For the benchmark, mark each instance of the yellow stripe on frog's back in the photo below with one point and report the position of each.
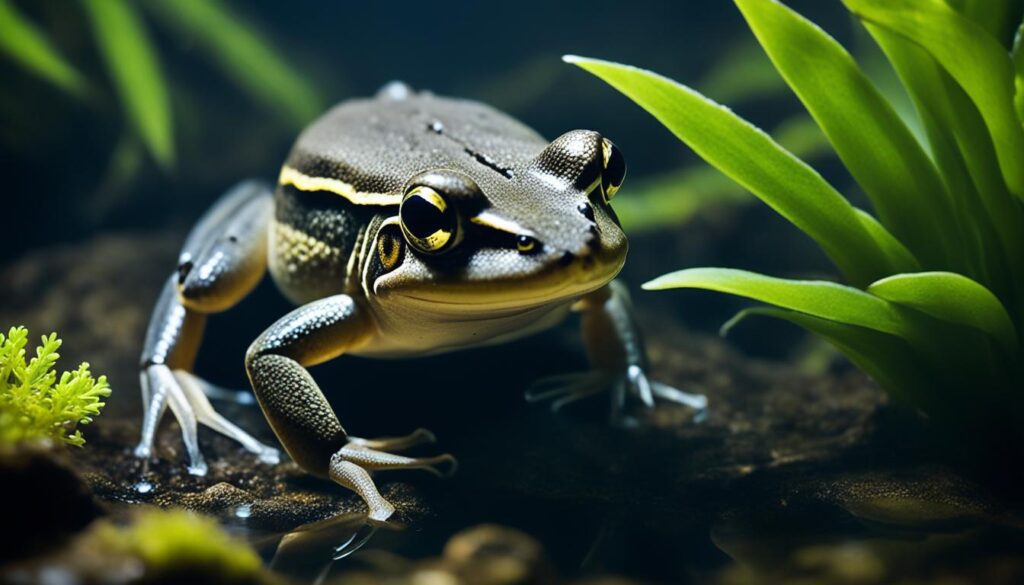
(303, 182)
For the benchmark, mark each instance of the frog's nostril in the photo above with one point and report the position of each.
(587, 210)
(566, 259)
(183, 269)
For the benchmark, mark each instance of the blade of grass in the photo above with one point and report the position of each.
(822, 299)
(751, 158)
(953, 298)
(977, 61)
(131, 60)
(879, 150)
(243, 56)
(28, 46)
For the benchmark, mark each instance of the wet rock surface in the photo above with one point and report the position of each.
(782, 453)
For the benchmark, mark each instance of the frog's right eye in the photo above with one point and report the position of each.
(614, 168)
(429, 222)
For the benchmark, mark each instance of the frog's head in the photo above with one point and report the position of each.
(505, 239)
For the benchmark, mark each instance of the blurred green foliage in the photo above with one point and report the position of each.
(120, 32)
(934, 309)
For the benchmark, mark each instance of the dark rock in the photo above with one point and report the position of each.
(45, 501)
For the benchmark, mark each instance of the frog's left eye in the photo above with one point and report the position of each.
(614, 168)
(429, 222)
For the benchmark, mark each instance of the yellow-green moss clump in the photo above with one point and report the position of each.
(34, 403)
(177, 541)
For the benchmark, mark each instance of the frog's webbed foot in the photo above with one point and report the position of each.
(617, 355)
(351, 465)
(629, 386)
(635, 384)
(183, 392)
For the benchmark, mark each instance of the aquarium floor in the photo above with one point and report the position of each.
(790, 474)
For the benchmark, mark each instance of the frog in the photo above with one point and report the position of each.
(405, 224)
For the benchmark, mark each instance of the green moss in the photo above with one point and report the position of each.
(34, 403)
(178, 541)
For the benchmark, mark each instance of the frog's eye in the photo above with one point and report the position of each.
(429, 222)
(614, 168)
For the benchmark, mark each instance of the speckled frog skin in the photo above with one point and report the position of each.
(403, 225)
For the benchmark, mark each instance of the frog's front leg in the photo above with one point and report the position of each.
(223, 258)
(299, 413)
(618, 360)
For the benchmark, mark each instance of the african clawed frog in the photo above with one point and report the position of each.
(407, 224)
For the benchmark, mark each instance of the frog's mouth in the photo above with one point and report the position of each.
(506, 296)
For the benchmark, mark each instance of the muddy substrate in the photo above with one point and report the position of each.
(790, 474)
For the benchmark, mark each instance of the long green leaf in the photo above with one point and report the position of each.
(978, 62)
(131, 60)
(878, 149)
(1018, 79)
(989, 216)
(672, 198)
(825, 300)
(29, 47)
(897, 253)
(951, 297)
(886, 358)
(999, 18)
(754, 160)
(243, 56)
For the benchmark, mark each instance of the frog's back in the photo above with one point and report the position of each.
(376, 144)
(349, 168)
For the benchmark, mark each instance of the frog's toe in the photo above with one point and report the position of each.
(350, 467)
(357, 479)
(194, 389)
(160, 390)
(443, 465)
(185, 395)
(565, 389)
(698, 402)
(392, 444)
(635, 384)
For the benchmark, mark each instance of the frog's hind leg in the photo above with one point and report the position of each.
(299, 413)
(222, 260)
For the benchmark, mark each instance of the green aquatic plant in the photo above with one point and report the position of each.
(742, 75)
(34, 403)
(933, 305)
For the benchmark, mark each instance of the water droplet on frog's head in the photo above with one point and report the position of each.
(143, 487)
(243, 511)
